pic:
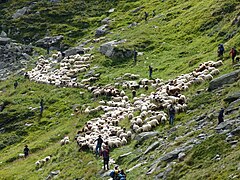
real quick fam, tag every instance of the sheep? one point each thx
(208, 77)
(38, 163)
(123, 141)
(65, 140)
(146, 127)
(218, 63)
(21, 155)
(139, 121)
(130, 116)
(135, 127)
(154, 123)
(122, 93)
(119, 132)
(215, 72)
(48, 158)
(129, 134)
(164, 119)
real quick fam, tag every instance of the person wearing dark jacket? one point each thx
(220, 116)
(220, 50)
(99, 144)
(150, 72)
(26, 151)
(41, 107)
(15, 84)
(171, 114)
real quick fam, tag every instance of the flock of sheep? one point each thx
(63, 73)
(143, 112)
(150, 109)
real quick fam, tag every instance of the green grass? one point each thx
(182, 35)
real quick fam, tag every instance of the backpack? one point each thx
(112, 174)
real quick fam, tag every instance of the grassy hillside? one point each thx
(176, 40)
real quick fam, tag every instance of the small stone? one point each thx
(181, 156)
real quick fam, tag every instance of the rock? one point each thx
(171, 155)
(137, 9)
(125, 155)
(111, 50)
(20, 12)
(119, 159)
(229, 137)
(181, 156)
(233, 106)
(3, 34)
(223, 125)
(74, 50)
(136, 166)
(132, 25)
(106, 173)
(111, 10)
(152, 147)
(106, 20)
(201, 117)
(102, 30)
(4, 40)
(145, 135)
(49, 41)
(52, 174)
(54, 1)
(13, 57)
(236, 132)
(233, 142)
(225, 79)
(202, 136)
(232, 97)
(164, 174)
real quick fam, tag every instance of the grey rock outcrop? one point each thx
(152, 147)
(20, 12)
(3, 34)
(111, 50)
(224, 79)
(49, 41)
(236, 132)
(102, 30)
(74, 50)
(13, 56)
(145, 135)
(4, 40)
(232, 97)
(106, 20)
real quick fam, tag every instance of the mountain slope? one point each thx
(175, 41)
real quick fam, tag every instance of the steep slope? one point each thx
(175, 41)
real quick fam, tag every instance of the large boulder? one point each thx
(152, 147)
(232, 97)
(74, 50)
(3, 34)
(106, 20)
(20, 12)
(4, 40)
(102, 30)
(224, 79)
(236, 131)
(49, 41)
(145, 135)
(13, 56)
(111, 50)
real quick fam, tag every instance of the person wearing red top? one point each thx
(233, 54)
(105, 155)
